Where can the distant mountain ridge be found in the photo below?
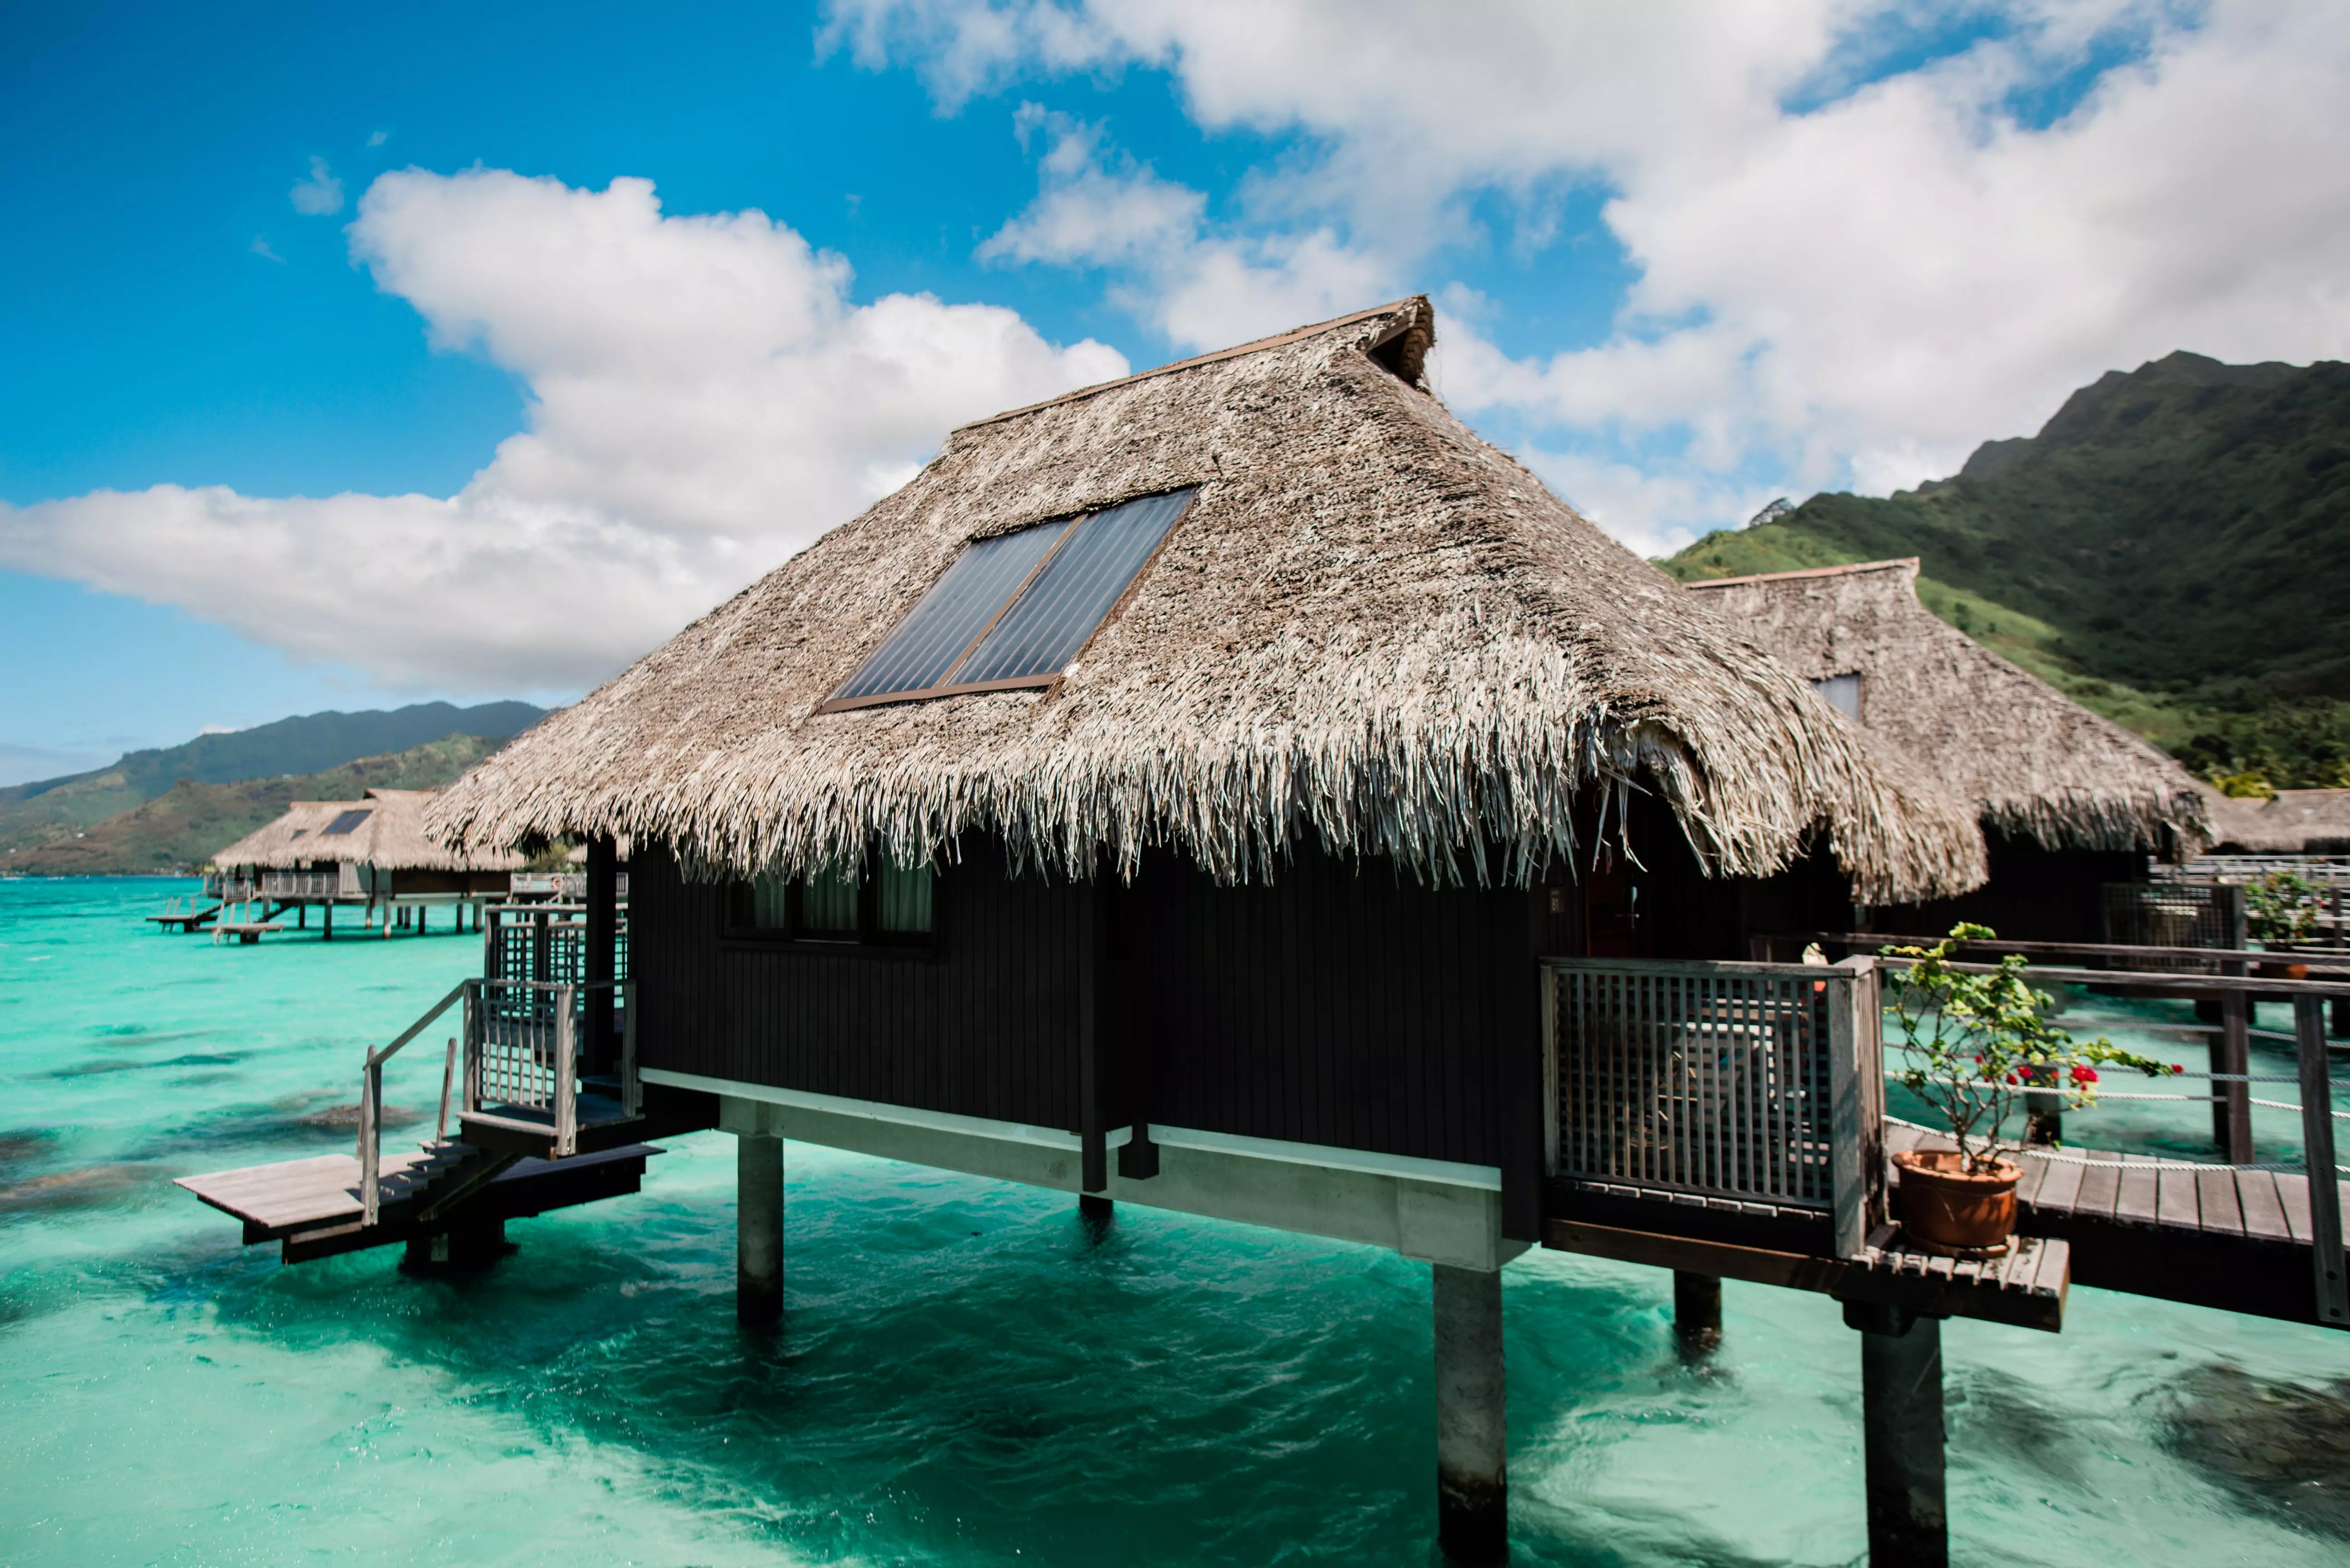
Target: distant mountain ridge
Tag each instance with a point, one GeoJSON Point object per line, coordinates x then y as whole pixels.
{"type": "Point", "coordinates": [2166, 549]}
{"type": "Point", "coordinates": [180, 828]}
{"type": "Point", "coordinates": [53, 810]}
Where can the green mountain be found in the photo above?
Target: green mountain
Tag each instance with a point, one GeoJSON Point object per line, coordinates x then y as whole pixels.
{"type": "Point", "coordinates": [2166, 550]}
{"type": "Point", "coordinates": [53, 810]}
{"type": "Point", "coordinates": [179, 829]}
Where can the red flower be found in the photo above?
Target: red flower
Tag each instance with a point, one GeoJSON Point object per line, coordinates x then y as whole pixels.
{"type": "Point", "coordinates": [2085, 1076]}
{"type": "Point", "coordinates": [2012, 1078]}
{"type": "Point", "coordinates": [2178, 1066]}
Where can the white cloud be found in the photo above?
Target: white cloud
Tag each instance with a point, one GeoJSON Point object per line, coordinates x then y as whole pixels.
{"type": "Point", "coordinates": [260, 247]}
{"type": "Point", "coordinates": [318, 194]}
{"type": "Point", "coordinates": [1097, 207]}
{"type": "Point", "coordinates": [704, 399]}
{"type": "Point", "coordinates": [378, 138]}
{"type": "Point", "coordinates": [1834, 282]}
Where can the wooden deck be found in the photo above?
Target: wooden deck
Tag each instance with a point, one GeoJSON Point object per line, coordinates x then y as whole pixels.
{"type": "Point", "coordinates": [2026, 1289]}
{"type": "Point", "coordinates": [2217, 1236]}
{"type": "Point", "coordinates": [311, 1207]}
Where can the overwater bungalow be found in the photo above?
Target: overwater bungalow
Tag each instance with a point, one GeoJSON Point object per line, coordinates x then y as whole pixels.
{"type": "Point", "coordinates": [2291, 822]}
{"type": "Point", "coordinates": [1241, 790]}
{"type": "Point", "coordinates": [372, 854]}
{"type": "Point", "coordinates": [2070, 803]}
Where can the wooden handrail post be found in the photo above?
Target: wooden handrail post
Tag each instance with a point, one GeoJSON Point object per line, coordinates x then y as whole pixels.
{"type": "Point", "coordinates": [370, 1141]}
{"type": "Point", "coordinates": [633, 1088]}
{"type": "Point", "coordinates": [469, 1068]}
{"type": "Point", "coordinates": [2326, 1266]}
{"type": "Point", "coordinates": [2231, 1052]}
{"type": "Point", "coordinates": [1854, 1028]}
{"type": "Point", "coordinates": [566, 1073]}
{"type": "Point", "coordinates": [448, 1078]}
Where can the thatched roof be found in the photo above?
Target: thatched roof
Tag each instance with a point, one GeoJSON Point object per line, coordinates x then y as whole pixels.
{"type": "Point", "coordinates": [391, 837]}
{"type": "Point", "coordinates": [2037, 764]}
{"type": "Point", "coordinates": [1371, 627]}
{"type": "Point", "coordinates": [2297, 822]}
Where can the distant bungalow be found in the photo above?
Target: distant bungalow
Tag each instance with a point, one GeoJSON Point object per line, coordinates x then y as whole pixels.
{"type": "Point", "coordinates": [2295, 822]}
{"type": "Point", "coordinates": [373, 852]}
{"type": "Point", "coordinates": [2069, 801]}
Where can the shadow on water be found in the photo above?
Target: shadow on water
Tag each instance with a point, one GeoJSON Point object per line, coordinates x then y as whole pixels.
{"type": "Point", "coordinates": [2282, 1445]}
{"type": "Point", "coordinates": [1134, 1393]}
{"type": "Point", "coordinates": [88, 1187]}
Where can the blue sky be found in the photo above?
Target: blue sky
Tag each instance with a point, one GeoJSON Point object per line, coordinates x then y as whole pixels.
{"type": "Point", "coordinates": [259, 254]}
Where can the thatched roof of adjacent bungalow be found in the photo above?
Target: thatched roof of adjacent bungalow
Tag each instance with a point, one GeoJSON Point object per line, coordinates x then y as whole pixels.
{"type": "Point", "coordinates": [1371, 627]}
{"type": "Point", "coordinates": [2037, 764]}
{"type": "Point", "coordinates": [386, 830]}
{"type": "Point", "coordinates": [2297, 822]}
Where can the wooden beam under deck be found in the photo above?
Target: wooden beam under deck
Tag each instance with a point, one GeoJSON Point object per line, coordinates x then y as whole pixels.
{"type": "Point", "coordinates": [2026, 1289]}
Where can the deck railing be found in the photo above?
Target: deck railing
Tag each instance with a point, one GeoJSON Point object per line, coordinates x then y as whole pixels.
{"type": "Point", "coordinates": [546, 942]}
{"type": "Point", "coordinates": [228, 888]}
{"type": "Point", "coordinates": [301, 884]}
{"type": "Point", "coordinates": [517, 1063]}
{"type": "Point", "coordinates": [1752, 1086]}
{"type": "Point", "coordinates": [2173, 915]}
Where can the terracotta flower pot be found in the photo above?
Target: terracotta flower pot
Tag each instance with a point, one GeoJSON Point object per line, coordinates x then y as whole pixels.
{"type": "Point", "coordinates": [1944, 1207]}
{"type": "Point", "coordinates": [2282, 970]}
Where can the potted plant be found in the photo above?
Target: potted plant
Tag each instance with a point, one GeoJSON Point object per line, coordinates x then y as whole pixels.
{"type": "Point", "coordinates": [1978, 1044]}
{"type": "Point", "coordinates": [2280, 910]}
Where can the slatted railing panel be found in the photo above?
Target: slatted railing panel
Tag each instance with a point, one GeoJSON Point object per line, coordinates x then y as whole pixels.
{"type": "Point", "coordinates": [1695, 1079]}
{"type": "Point", "coordinates": [534, 944]}
{"type": "Point", "coordinates": [2174, 915]}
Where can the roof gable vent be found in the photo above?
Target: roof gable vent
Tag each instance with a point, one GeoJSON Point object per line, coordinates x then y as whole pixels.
{"type": "Point", "coordinates": [1404, 350]}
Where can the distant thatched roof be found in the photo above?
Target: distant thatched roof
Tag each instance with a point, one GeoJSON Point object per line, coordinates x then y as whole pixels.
{"type": "Point", "coordinates": [2297, 822]}
{"type": "Point", "coordinates": [1371, 627]}
{"type": "Point", "coordinates": [389, 835]}
{"type": "Point", "coordinates": [2038, 764]}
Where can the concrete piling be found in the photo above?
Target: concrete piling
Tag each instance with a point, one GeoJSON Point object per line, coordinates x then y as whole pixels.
{"type": "Point", "coordinates": [1902, 1436]}
{"type": "Point", "coordinates": [1697, 1313]}
{"type": "Point", "coordinates": [759, 1229]}
{"type": "Point", "coordinates": [1472, 1426]}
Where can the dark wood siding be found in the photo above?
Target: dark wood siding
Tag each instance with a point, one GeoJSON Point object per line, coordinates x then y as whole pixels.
{"type": "Point", "coordinates": [983, 1024]}
{"type": "Point", "coordinates": [1340, 1005]}
{"type": "Point", "coordinates": [2035, 895]}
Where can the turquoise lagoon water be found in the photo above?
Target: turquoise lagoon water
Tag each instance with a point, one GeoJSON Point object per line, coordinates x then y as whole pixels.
{"type": "Point", "coordinates": [966, 1377]}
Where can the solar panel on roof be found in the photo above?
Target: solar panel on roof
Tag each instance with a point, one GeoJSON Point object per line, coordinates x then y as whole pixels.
{"type": "Point", "coordinates": [1014, 609]}
{"type": "Point", "coordinates": [1069, 598]}
{"type": "Point", "coordinates": [942, 625]}
{"type": "Point", "coordinates": [347, 821]}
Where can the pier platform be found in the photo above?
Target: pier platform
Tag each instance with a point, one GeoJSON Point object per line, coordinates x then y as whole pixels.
{"type": "Point", "coordinates": [312, 1208]}
{"type": "Point", "coordinates": [2232, 1237]}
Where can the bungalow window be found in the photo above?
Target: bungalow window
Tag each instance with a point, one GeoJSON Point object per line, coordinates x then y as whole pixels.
{"type": "Point", "coordinates": [1014, 610]}
{"type": "Point", "coordinates": [1841, 693]}
{"type": "Point", "coordinates": [890, 905]}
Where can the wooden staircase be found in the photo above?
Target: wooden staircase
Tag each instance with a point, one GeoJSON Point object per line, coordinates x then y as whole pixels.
{"type": "Point", "coordinates": [313, 1208]}
{"type": "Point", "coordinates": [534, 1132]}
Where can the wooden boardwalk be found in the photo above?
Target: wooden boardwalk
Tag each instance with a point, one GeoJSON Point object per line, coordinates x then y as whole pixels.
{"type": "Point", "coordinates": [2216, 1236]}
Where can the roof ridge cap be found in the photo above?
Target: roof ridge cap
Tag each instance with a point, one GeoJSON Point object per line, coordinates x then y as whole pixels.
{"type": "Point", "coordinates": [1255, 346]}
{"type": "Point", "coordinates": [1846, 570]}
